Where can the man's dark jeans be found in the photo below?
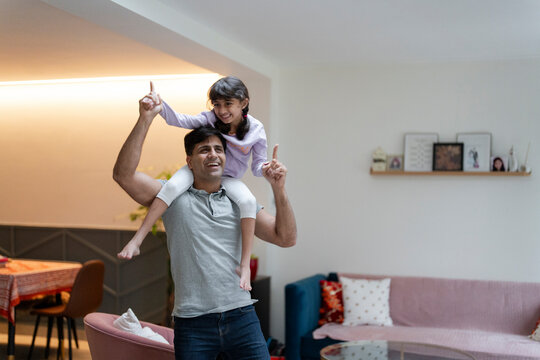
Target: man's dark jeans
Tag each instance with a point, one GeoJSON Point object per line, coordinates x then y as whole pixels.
{"type": "Point", "coordinates": [236, 334]}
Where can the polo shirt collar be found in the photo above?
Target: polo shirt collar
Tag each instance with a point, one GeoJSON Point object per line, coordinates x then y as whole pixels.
{"type": "Point", "coordinates": [220, 192]}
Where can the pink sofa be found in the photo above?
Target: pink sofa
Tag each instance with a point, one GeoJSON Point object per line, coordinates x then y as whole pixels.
{"type": "Point", "coordinates": [490, 319]}
{"type": "Point", "coordinates": [107, 342]}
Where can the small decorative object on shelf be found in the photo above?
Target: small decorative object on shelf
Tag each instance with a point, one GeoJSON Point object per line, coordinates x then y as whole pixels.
{"type": "Point", "coordinates": [419, 151]}
{"type": "Point", "coordinates": [499, 163]}
{"type": "Point", "coordinates": [448, 157]}
{"type": "Point", "coordinates": [394, 163]}
{"type": "Point", "coordinates": [476, 151]}
{"type": "Point", "coordinates": [378, 162]}
{"type": "Point", "coordinates": [513, 164]}
{"type": "Point", "coordinates": [524, 168]}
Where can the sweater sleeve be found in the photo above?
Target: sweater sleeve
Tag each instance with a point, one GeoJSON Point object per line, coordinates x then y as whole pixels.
{"type": "Point", "coordinates": [259, 154]}
{"type": "Point", "coordinates": [185, 121]}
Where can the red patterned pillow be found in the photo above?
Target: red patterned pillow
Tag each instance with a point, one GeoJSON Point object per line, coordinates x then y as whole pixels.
{"type": "Point", "coordinates": [331, 310]}
{"type": "Point", "coordinates": [535, 335]}
{"type": "Point", "coordinates": [536, 326]}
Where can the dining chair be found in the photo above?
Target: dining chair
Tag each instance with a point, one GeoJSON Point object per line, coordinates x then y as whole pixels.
{"type": "Point", "coordinates": [85, 297]}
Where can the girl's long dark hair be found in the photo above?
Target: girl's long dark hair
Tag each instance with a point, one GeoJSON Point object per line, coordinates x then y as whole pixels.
{"type": "Point", "coordinates": [227, 88]}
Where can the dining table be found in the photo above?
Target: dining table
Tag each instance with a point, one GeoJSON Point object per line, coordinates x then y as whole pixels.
{"type": "Point", "coordinates": [24, 279]}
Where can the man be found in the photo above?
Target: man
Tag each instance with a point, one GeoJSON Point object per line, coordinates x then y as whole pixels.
{"type": "Point", "coordinates": [212, 314]}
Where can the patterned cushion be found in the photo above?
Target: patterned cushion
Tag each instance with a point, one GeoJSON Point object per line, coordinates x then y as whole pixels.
{"type": "Point", "coordinates": [331, 310]}
{"type": "Point", "coordinates": [536, 331]}
{"type": "Point", "coordinates": [366, 302]}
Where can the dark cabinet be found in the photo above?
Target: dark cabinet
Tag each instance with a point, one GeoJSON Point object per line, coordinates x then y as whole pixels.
{"type": "Point", "coordinates": [260, 290]}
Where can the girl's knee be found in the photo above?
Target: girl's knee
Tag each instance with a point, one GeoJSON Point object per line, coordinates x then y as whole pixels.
{"type": "Point", "coordinates": [248, 201]}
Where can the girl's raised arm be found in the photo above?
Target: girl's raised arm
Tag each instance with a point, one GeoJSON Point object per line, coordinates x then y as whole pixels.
{"type": "Point", "coordinates": [186, 121]}
{"type": "Point", "coordinates": [259, 154]}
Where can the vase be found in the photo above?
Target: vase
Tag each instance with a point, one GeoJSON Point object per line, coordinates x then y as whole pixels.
{"type": "Point", "coordinates": [253, 265]}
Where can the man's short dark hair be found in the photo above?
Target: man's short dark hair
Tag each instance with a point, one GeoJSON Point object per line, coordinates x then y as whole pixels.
{"type": "Point", "coordinates": [199, 135]}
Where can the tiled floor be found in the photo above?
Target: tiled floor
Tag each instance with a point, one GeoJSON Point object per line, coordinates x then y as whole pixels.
{"type": "Point", "coordinates": [23, 339]}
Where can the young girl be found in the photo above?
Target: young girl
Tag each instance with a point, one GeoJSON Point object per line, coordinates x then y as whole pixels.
{"type": "Point", "coordinates": [245, 136]}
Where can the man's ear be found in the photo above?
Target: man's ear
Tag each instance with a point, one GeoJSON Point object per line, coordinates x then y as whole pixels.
{"type": "Point", "coordinates": [188, 161]}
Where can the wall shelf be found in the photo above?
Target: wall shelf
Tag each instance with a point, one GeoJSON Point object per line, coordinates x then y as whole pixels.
{"type": "Point", "coordinates": [446, 173]}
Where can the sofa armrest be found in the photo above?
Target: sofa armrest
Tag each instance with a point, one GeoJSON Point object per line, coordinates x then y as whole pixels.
{"type": "Point", "coordinates": [302, 304]}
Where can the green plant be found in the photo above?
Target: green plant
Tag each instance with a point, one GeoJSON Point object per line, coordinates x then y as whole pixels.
{"type": "Point", "coordinates": [141, 211]}
{"type": "Point", "coordinates": [159, 231]}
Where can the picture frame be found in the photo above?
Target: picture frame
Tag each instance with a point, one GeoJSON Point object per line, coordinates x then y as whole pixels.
{"type": "Point", "coordinates": [448, 157]}
{"type": "Point", "coordinates": [499, 163]}
{"type": "Point", "coordinates": [394, 162]}
{"type": "Point", "coordinates": [476, 151]}
{"type": "Point", "coordinates": [418, 152]}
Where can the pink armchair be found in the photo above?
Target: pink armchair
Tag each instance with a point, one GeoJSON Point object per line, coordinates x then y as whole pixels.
{"type": "Point", "coordinates": [107, 342]}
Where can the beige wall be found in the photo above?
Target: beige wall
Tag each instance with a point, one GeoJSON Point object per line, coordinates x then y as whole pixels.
{"type": "Point", "coordinates": [59, 143]}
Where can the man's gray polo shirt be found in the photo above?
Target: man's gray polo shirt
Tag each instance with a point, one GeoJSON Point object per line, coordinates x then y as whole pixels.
{"type": "Point", "coordinates": [204, 241]}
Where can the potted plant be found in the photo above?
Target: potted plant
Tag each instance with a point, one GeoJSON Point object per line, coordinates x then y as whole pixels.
{"type": "Point", "coordinates": [159, 232]}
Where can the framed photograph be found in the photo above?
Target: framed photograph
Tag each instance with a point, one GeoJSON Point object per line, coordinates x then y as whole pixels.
{"type": "Point", "coordinates": [419, 151]}
{"type": "Point", "coordinates": [499, 163]}
{"type": "Point", "coordinates": [394, 163]}
{"type": "Point", "coordinates": [476, 151]}
{"type": "Point", "coordinates": [447, 157]}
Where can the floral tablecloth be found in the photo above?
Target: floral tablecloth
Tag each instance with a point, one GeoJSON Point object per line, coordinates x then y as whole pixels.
{"type": "Point", "coordinates": [24, 279]}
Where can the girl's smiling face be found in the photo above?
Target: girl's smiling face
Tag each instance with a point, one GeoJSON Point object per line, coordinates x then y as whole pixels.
{"type": "Point", "coordinates": [229, 111]}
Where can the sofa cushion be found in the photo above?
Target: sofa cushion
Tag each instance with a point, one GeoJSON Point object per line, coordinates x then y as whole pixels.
{"type": "Point", "coordinates": [366, 301]}
{"type": "Point", "coordinates": [536, 332]}
{"type": "Point", "coordinates": [331, 303]}
{"type": "Point", "coordinates": [485, 345]}
{"type": "Point", "coordinates": [129, 322]}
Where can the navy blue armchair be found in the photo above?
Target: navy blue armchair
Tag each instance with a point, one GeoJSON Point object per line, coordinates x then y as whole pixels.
{"type": "Point", "coordinates": [302, 304]}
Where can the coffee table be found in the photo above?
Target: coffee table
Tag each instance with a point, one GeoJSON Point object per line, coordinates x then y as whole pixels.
{"type": "Point", "coordinates": [386, 350]}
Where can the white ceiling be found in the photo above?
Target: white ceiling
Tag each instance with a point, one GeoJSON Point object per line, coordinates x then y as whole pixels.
{"type": "Point", "coordinates": [348, 31]}
{"type": "Point", "coordinates": [40, 41]}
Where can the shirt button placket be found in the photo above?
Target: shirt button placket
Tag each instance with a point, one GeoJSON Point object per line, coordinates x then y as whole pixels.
{"type": "Point", "coordinates": [211, 203]}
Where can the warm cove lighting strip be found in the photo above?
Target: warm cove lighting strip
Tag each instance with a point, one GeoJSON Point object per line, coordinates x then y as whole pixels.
{"type": "Point", "coordinates": [109, 79]}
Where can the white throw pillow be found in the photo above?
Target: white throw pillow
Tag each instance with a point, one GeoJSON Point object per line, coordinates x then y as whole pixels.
{"type": "Point", "coordinates": [366, 302]}
{"type": "Point", "coordinates": [129, 322]}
